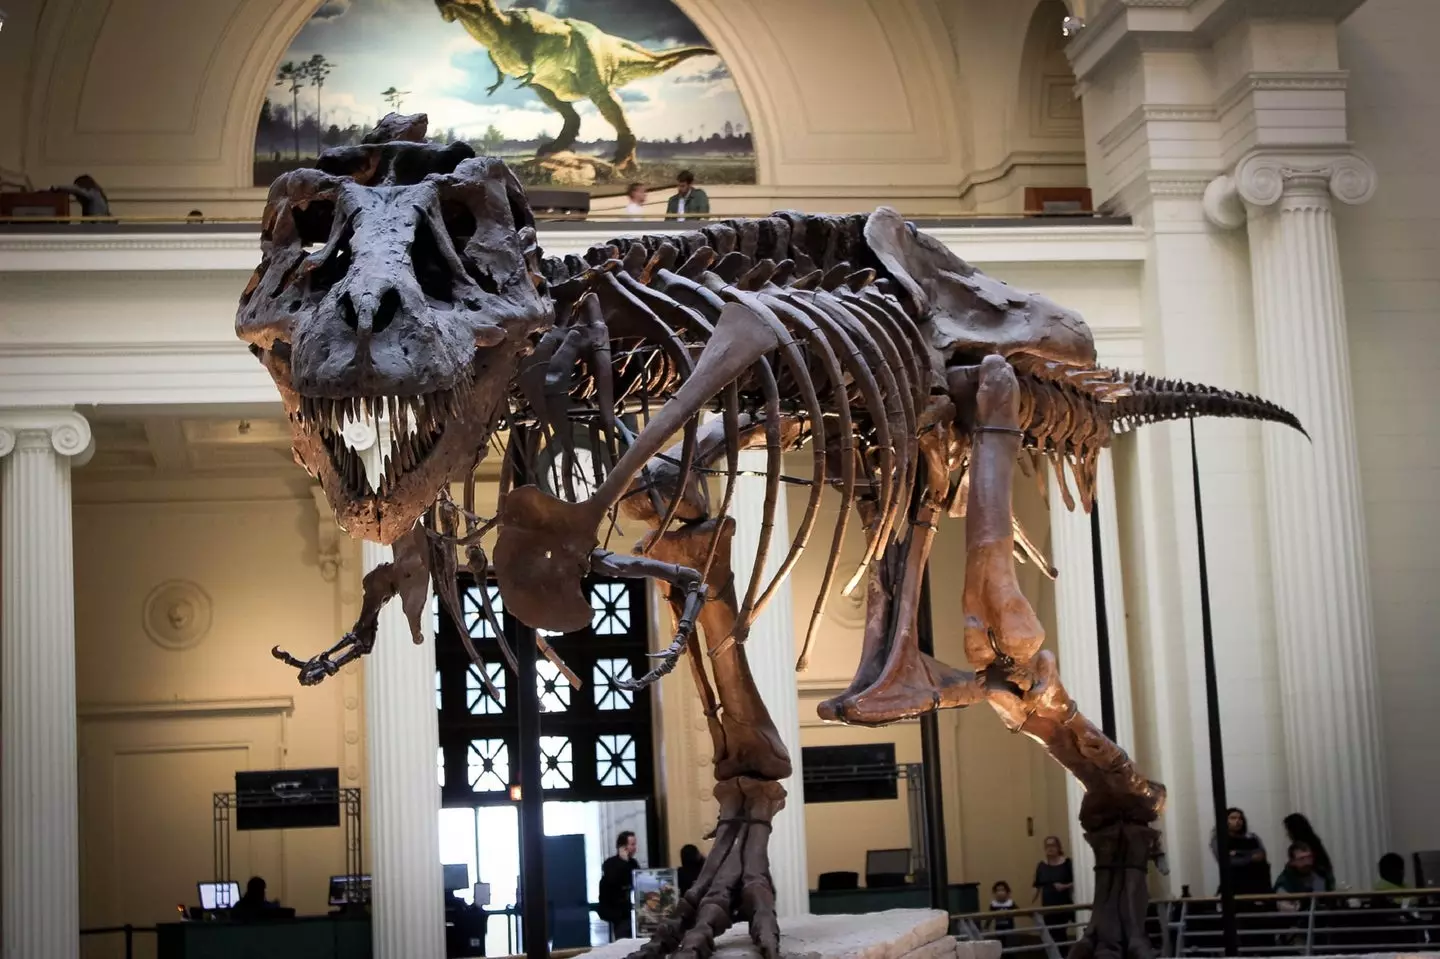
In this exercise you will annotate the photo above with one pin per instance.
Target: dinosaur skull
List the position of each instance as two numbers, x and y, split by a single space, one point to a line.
412 298
971 315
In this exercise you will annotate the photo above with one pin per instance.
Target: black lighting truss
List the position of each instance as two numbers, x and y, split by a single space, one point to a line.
349 802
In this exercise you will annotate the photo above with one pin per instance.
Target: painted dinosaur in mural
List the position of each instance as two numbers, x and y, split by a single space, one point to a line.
404 280
565 61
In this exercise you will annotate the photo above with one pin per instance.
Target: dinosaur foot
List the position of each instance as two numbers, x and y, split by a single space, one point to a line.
1117 921
625 161
912 683
735 882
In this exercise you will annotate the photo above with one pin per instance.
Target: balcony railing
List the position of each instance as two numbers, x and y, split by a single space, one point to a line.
1339 923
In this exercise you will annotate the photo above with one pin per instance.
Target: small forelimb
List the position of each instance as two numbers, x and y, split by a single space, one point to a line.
379 585
691 585
407 576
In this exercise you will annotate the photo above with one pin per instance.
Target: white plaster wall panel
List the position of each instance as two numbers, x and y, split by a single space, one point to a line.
139 95
17 50
855 91
1390 254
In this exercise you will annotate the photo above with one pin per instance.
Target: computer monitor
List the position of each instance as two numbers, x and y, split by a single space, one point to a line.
340 885
886 867
457 876
218 895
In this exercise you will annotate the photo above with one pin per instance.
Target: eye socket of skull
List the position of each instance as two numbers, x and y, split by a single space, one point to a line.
300 212
485 214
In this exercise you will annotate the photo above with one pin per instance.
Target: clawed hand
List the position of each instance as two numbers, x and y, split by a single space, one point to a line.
314 670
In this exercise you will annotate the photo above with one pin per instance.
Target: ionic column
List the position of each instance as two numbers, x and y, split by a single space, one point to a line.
771 651
1077 639
402 739
1334 754
40 840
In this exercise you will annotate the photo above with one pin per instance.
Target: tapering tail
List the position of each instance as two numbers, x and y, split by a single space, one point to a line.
669 59
1153 399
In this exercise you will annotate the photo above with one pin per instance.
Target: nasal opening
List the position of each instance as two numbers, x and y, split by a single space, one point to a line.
383 316
385 313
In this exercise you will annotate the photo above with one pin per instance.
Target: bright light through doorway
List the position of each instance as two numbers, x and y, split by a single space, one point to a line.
487 840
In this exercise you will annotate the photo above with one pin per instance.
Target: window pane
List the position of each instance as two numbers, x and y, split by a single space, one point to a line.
476 622
611 603
552 688
605 681
477 698
489 765
615 760
556 769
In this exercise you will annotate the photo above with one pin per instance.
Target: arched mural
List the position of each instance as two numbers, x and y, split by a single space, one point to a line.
594 93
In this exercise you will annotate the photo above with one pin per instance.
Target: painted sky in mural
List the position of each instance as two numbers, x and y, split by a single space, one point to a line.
374 56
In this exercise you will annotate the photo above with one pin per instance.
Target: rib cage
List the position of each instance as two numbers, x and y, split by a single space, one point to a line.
853 373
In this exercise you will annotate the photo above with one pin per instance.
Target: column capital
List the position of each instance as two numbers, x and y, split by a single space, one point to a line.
1263 178
67 432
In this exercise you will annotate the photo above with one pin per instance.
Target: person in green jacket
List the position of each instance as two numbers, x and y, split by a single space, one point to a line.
688 199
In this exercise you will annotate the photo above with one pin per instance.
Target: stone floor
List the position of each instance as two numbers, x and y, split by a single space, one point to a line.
894 934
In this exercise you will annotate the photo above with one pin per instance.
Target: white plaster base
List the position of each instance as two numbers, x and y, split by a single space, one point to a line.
893 934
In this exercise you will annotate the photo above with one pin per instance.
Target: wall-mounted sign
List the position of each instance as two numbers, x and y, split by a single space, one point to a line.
592 93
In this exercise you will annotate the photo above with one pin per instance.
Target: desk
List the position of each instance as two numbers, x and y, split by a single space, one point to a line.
964 897
306 937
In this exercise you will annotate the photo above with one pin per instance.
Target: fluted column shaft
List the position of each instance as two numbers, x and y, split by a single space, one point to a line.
771 651
402 739
38 794
1078 640
1325 634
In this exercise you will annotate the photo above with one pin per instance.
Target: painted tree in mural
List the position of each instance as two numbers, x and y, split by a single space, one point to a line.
317 68
292 76
917 382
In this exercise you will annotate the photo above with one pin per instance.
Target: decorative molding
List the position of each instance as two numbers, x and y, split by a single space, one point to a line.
1292 81
1137 118
66 431
1265 178
328 536
188 708
240 252
177 615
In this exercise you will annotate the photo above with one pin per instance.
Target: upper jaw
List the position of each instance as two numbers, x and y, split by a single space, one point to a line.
425 442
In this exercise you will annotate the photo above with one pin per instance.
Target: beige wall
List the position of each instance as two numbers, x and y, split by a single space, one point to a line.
165 724
1391 264
954 105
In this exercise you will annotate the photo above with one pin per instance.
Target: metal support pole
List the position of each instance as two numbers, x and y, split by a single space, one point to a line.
535 937
1212 709
1102 629
938 869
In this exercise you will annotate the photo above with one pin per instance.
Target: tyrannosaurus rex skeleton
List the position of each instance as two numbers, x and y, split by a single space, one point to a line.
404 279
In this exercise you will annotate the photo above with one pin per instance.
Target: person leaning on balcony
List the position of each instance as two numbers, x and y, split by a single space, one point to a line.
1300 876
688 199
1248 866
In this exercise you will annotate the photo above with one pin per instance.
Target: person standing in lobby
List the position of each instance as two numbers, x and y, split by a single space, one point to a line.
617 878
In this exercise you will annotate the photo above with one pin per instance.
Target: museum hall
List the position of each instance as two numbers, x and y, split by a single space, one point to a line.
245 244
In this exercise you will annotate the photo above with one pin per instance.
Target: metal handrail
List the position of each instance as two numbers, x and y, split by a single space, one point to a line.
1320 923
128 930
